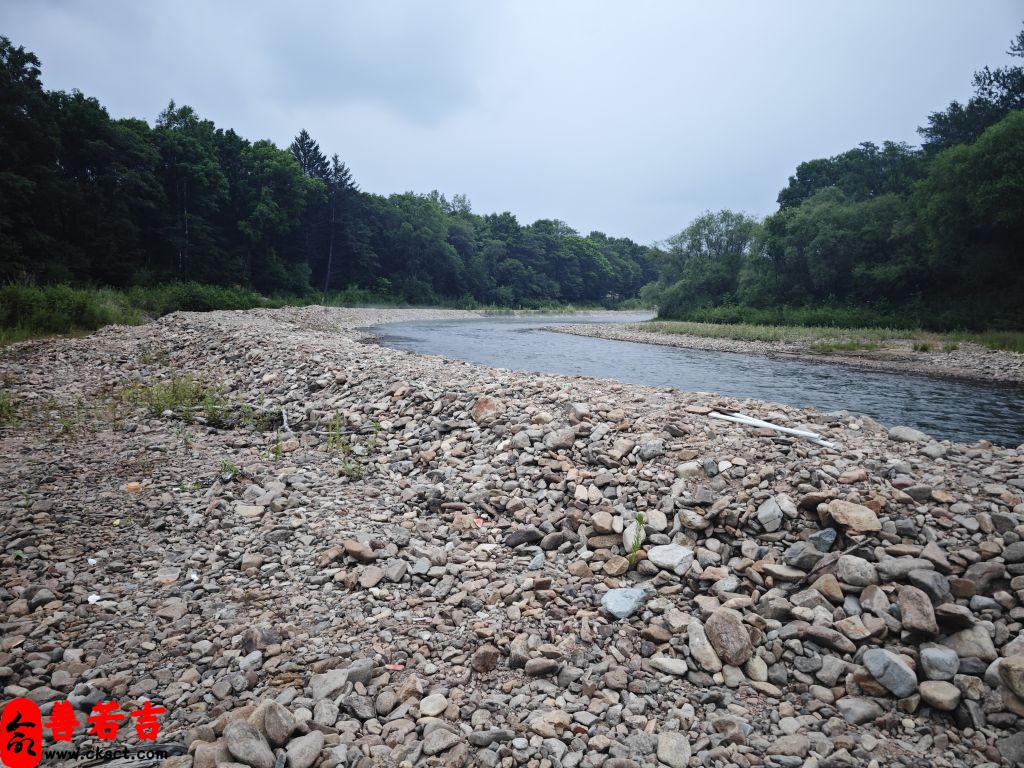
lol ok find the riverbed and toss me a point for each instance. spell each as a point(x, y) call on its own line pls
point(945, 409)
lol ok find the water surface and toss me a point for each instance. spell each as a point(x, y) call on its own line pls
point(943, 408)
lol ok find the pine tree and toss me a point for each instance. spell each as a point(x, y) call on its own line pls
point(311, 160)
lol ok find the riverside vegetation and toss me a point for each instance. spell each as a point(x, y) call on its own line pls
point(418, 561)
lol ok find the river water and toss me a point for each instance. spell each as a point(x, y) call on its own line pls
point(957, 410)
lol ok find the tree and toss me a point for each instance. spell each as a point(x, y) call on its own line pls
point(311, 160)
point(996, 92)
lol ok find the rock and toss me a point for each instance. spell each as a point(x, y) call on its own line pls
point(278, 724)
point(486, 409)
point(669, 665)
point(769, 515)
point(891, 671)
point(616, 565)
point(439, 740)
point(541, 667)
point(856, 517)
point(1011, 672)
point(525, 535)
point(933, 584)
point(701, 649)
point(728, 636)
point(359, 551)
point(560, 439)
point(1011, 748)
point(855, 571)
point(940, 694)
point(671, 557)
point(304, 751)
point(857, 710)
point(623, 603)
point(486, 658)
point(939, 662)
point(916, 611)
point(972, 642)
point(674, 749)
point(907, 435)
point(795, 745)
point(247, 745)
point(433, 705)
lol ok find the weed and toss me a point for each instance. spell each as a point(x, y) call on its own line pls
point(638, 538)
point(180, 394)
point(8, 412)
point(825, 347)
point(922, 346)
point(229, 468)
point(278, 449)
point(950, 346)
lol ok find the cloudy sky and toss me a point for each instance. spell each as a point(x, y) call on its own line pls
point(631, 118)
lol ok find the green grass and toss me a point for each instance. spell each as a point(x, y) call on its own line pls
point(181, 394)
point(8, 412)
point(826, 339)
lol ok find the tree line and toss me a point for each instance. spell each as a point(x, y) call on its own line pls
point(90, 200)
point(929, 236)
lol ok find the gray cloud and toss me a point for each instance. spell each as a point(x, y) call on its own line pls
point(631, 119)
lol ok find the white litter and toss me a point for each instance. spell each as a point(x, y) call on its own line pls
point(92, 561)
point(93, 599)
point(750, 421)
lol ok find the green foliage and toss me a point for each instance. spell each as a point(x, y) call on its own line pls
point(182, 394)
point(8, 411)
point(86, 199)
point(229, 468)
point(638, 538)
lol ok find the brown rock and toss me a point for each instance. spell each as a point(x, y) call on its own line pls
point(361, 552)
point(728, 636)
point(917, 611)
point(486, 409)
point(486, 658)
point(856, 517)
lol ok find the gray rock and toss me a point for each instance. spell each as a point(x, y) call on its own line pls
point(669, 665)
point(769, 514)
point(891, 671)
point(939, 662)
point(1012, 748)
point(671, 557)
point(279, 724)
point(247, 745)
point(560, 439)
point(433, 705)
point(972, 642)
point(439, 740)
point(623, 603)
point(933, 584)
point(304, 751)
point(857, 710)
point(907, 435)
point(674, 749)
point(856, 571)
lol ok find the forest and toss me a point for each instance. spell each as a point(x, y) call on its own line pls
point(183, 214)
point(916, 237)
point(88, 200)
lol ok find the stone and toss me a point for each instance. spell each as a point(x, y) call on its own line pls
point(939, 694)
point(439, 740)
point(855, 571)
point(1011, 748)
point(701, 649)
point(916, 612)
point(972, 642)
point(278, 724)
point(933, 584)
point(891, 671)
point(247, 745)
point(486, 409)
point(669, 665)
point(856, 517)
point(303, 751)
point(486, 658)
point(939, 662)
point(725, 630)
point(674, 749)
point(857, 710)
point(433, 705)
point(769, 515)
point(623, 603)
point(541, 667)
point(795, 745)
point(1011, 672)
point(359, 551)
point(671, 557)
point(525, 535)
point(907, 435)
point(560, 439)
point(616, 565)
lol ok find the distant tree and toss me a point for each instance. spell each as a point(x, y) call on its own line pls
point(996, 92)
point(311, 160)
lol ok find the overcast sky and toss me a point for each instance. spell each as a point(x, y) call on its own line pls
point(627, 117)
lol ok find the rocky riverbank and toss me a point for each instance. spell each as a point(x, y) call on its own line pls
point(428, 562)
point(968, 361)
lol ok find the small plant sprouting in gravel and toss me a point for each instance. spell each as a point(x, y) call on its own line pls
point(278, 450)
point(638, 538)
point(8, 413)
point(922, 346)
point(229, 468)
point(181, 394)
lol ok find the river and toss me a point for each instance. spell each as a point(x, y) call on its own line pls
point(943, 408)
